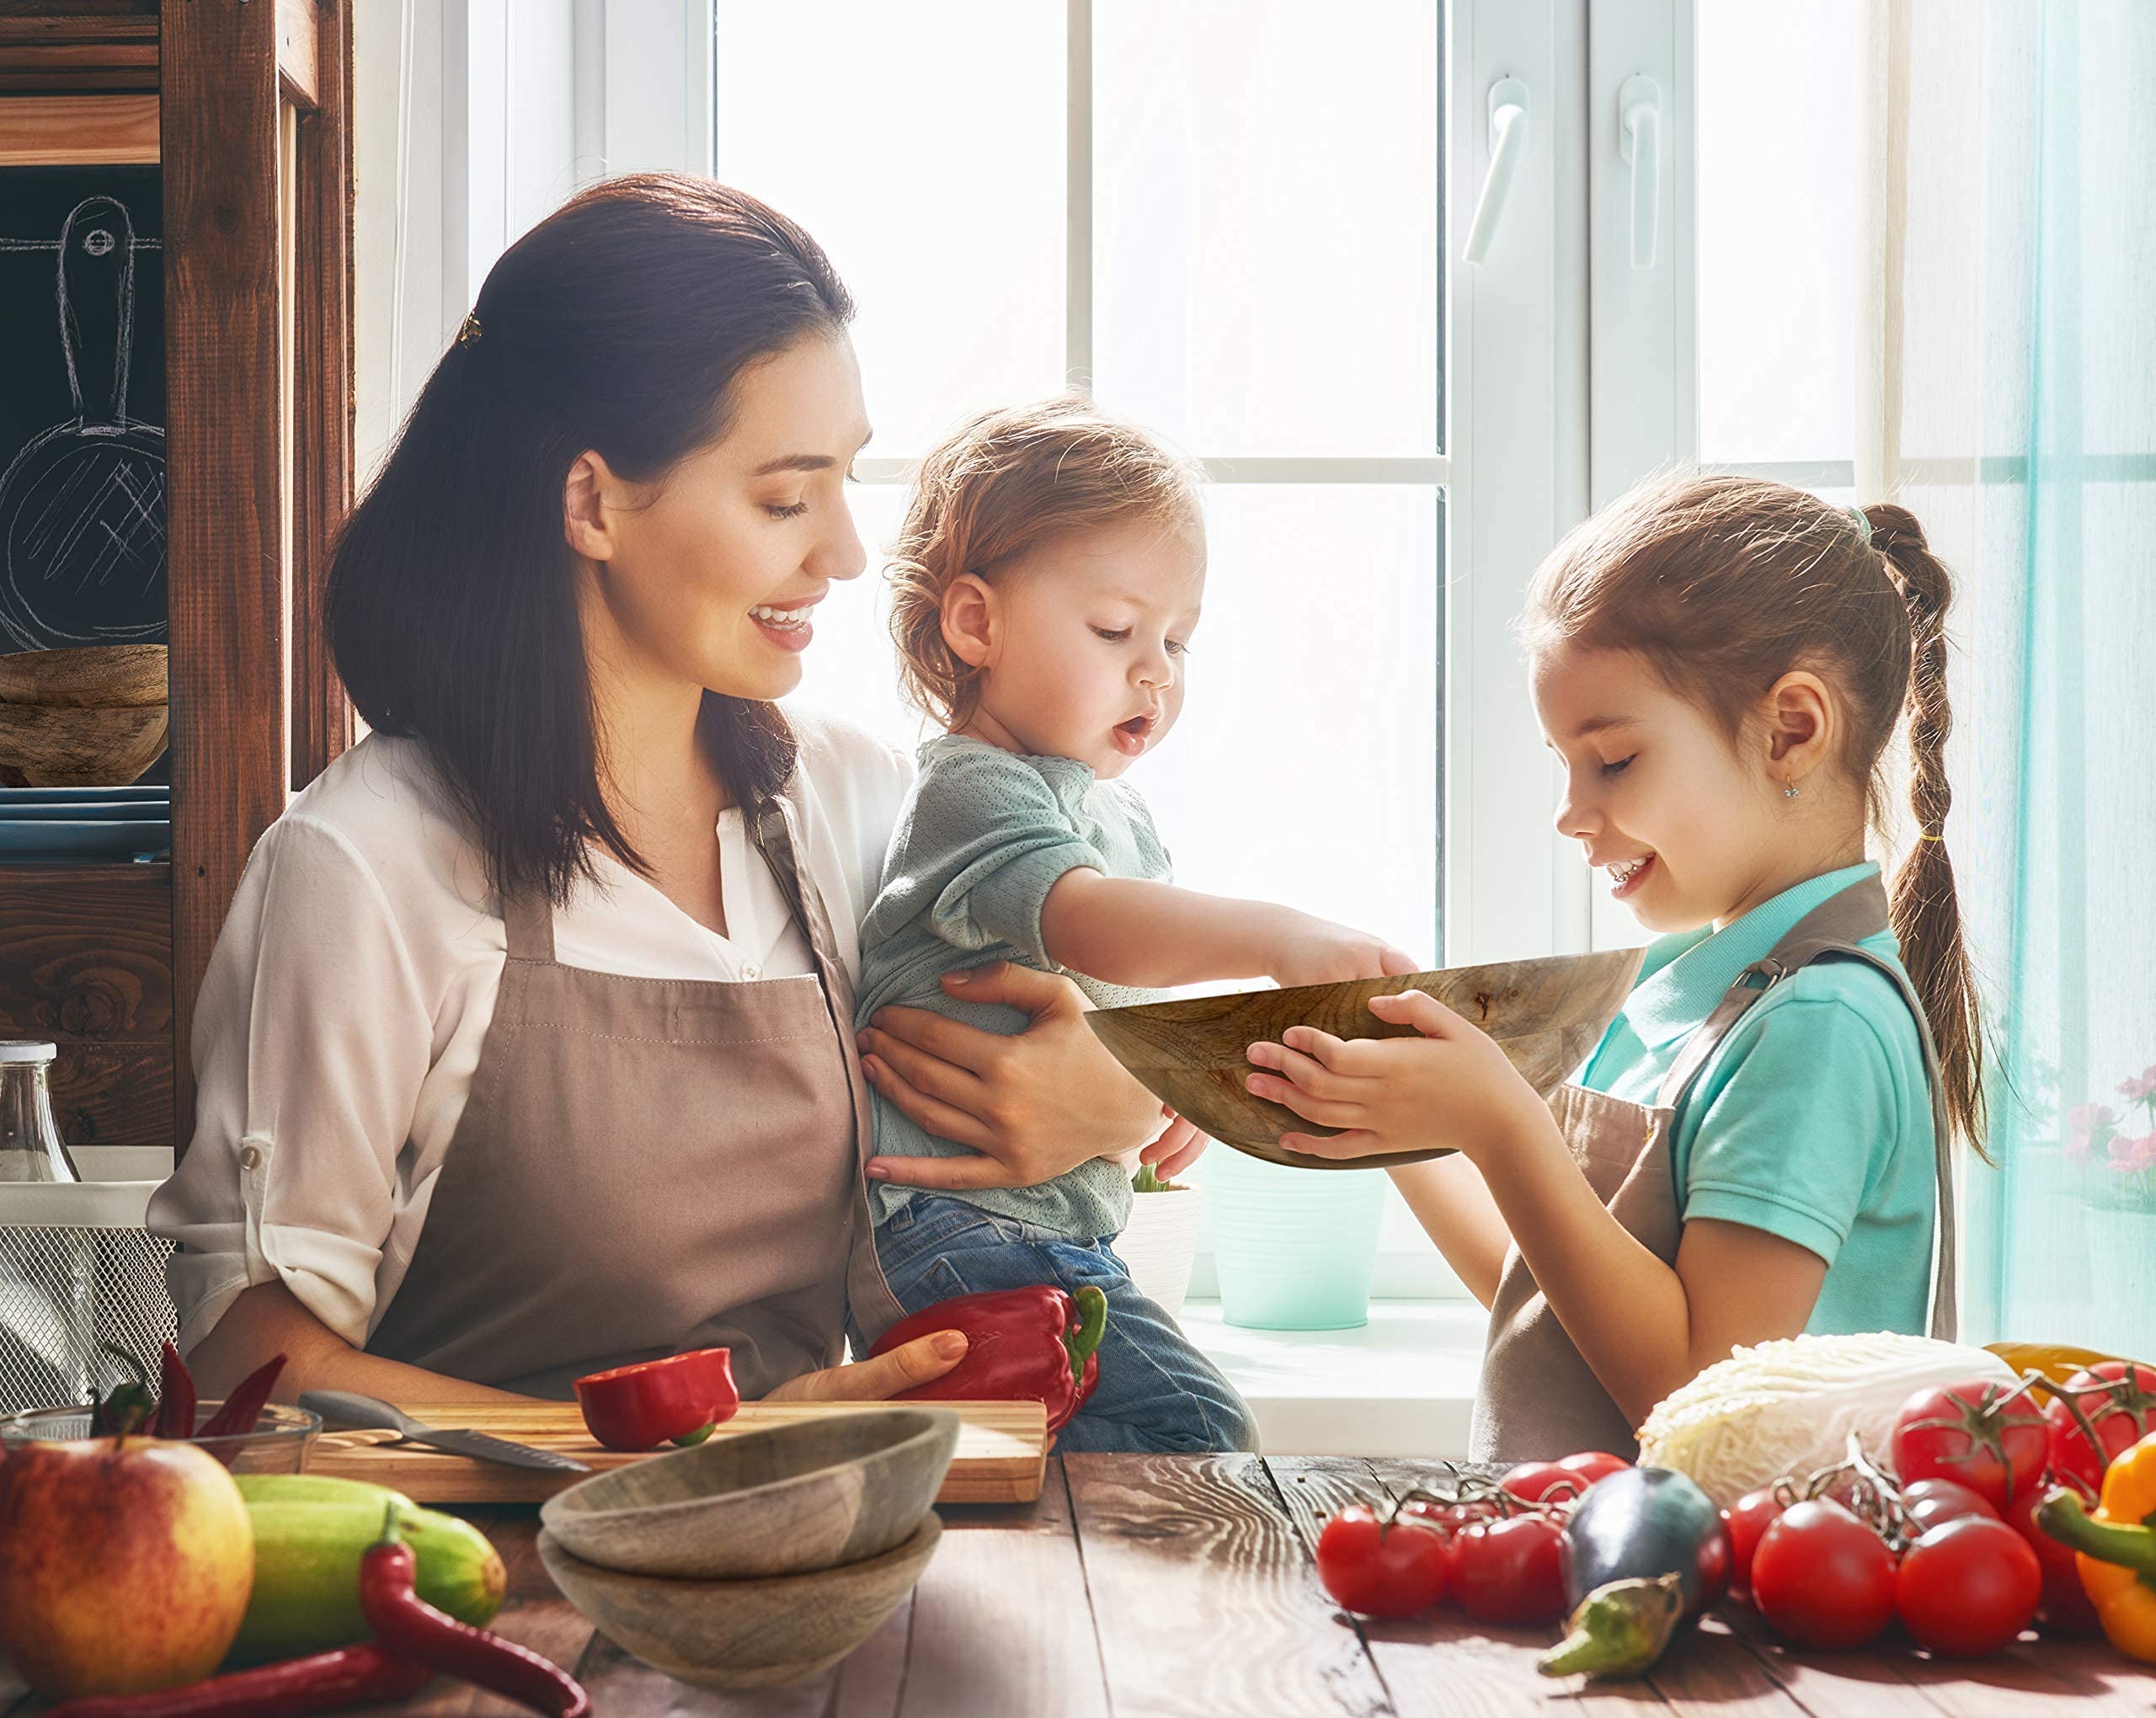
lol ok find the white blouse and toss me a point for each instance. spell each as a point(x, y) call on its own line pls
point(340, 1020)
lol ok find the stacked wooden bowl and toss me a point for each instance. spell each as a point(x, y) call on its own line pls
point(90, 717)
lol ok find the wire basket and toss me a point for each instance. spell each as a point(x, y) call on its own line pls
point(78, 1273)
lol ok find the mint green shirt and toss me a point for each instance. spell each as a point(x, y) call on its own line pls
point(1811, 1121)
point(982, 839)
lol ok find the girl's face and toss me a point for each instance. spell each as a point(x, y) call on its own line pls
point(1688, 828)
point(710, 574)
point(1084, 641)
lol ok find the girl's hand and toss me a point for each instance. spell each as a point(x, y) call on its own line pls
point(1176, 1150)
point(1452, 1087)
point(1034, 1105)
point(1304, 949)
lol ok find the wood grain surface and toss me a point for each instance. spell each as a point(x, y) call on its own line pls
point(1190, 1053)
point(1185, 1585)
point(1001, 1456)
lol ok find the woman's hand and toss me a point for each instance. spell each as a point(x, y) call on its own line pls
point(1301, 949)
point(1034, 1105)
point(1452, 1087)
point(881, 1376)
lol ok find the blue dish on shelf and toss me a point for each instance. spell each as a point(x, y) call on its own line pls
point(110, 839)
point(111, 811)
point(147, 793)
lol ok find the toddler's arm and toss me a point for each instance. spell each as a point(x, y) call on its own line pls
point(1153, 936)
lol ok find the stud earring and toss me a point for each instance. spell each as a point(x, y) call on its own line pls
point(1790, 791)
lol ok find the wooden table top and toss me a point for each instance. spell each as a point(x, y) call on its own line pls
point(1158, 1585)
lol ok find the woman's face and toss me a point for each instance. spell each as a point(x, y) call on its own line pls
point(716, 568)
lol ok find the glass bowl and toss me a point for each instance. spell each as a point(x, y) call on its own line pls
point(278, 1444)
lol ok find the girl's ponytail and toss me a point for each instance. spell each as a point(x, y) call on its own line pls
point(1925, 911)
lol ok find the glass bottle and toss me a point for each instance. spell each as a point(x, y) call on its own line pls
point(30, 1146)
point(47, 1302)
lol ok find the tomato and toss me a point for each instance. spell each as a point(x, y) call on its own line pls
point(1511, 1571)
point(1381, 1569)
point(1983, 1436)
point(2121, 1416)
point(1593, 1464)
point(1822, 1578)
point(1746, 1520)
point(1968, 1587)
point(1535, 1481)
point(2066, 1607)
point(1448, 1517)
point(1934, 1502)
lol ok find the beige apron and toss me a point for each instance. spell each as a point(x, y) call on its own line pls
point(1538, 1398)
point(646, 1166)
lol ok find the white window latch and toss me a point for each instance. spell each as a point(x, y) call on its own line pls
point(1639, 128)
point(1508, 144)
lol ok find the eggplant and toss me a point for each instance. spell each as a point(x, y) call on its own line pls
point(1645, 1552)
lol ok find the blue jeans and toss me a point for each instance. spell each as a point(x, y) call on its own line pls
point(1156, 1391)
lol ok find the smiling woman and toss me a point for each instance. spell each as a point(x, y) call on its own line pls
point(526, 1050)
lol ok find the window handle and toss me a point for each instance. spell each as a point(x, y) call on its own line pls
point(1507, 143)
point(1639, 132)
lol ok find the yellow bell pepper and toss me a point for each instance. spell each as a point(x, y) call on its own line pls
point(2115, 1551)
point(2055, 1360)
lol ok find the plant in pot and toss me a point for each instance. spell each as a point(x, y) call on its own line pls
point(1159, 1242)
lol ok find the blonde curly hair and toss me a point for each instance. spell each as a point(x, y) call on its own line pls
point(1002, 485)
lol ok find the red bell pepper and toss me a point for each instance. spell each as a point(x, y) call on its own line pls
point(677, 1400)
point(1036, 1344)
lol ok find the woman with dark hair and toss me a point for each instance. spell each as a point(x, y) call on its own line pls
point(527, 1049)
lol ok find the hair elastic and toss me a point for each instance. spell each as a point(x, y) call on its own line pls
point(1863, 523)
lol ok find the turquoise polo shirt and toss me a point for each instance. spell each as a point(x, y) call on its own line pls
point(1811, 1121)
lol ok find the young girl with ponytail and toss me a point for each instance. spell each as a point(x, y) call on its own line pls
point(1759, 1145)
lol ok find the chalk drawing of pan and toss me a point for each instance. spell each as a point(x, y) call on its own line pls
point(83, 505)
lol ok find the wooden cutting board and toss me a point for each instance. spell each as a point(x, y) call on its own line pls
point(1002, 1450)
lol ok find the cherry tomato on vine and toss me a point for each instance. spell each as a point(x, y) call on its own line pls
point(1746, 1520)
point(1510, 1570)
point(1535, 1481)
point(1968, 1587)
point(1822, 1578)
point(1592, 1464)
point(2122, 1416)
point(1934, 1502)
point(1378, 1568)
point(1987, 1437)
point(2066, 1607)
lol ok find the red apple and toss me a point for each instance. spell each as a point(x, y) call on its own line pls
point(125, 1565)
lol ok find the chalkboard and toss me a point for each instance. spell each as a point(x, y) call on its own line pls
point(82, 407)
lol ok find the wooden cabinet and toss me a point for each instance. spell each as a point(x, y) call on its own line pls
point(245, 108)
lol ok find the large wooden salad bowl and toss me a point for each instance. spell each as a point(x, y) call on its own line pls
point(1545, 1014)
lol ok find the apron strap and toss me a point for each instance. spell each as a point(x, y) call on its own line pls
point(1832, 931)
point(529, 920)
point(775, 831)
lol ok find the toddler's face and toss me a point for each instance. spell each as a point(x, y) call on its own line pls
point(1087, 656)
point(1688, 828)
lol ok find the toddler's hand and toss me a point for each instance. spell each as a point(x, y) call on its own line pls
point(1312, 951)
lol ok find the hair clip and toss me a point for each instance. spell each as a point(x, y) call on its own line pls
point(469, 331)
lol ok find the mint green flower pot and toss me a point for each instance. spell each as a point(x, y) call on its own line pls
point(1296, 1250)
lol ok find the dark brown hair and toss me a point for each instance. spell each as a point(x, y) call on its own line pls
point(619, 324)
point(1727, 584)
point(1003, 484)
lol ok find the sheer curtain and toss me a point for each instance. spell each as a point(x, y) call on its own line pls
point(2006, 227)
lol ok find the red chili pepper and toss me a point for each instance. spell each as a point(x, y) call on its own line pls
point(321, 1683)
point(1034, 1344)
point(175, 1398)
point(679, 1399)
point(405, 1625)
point(243, 1406)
